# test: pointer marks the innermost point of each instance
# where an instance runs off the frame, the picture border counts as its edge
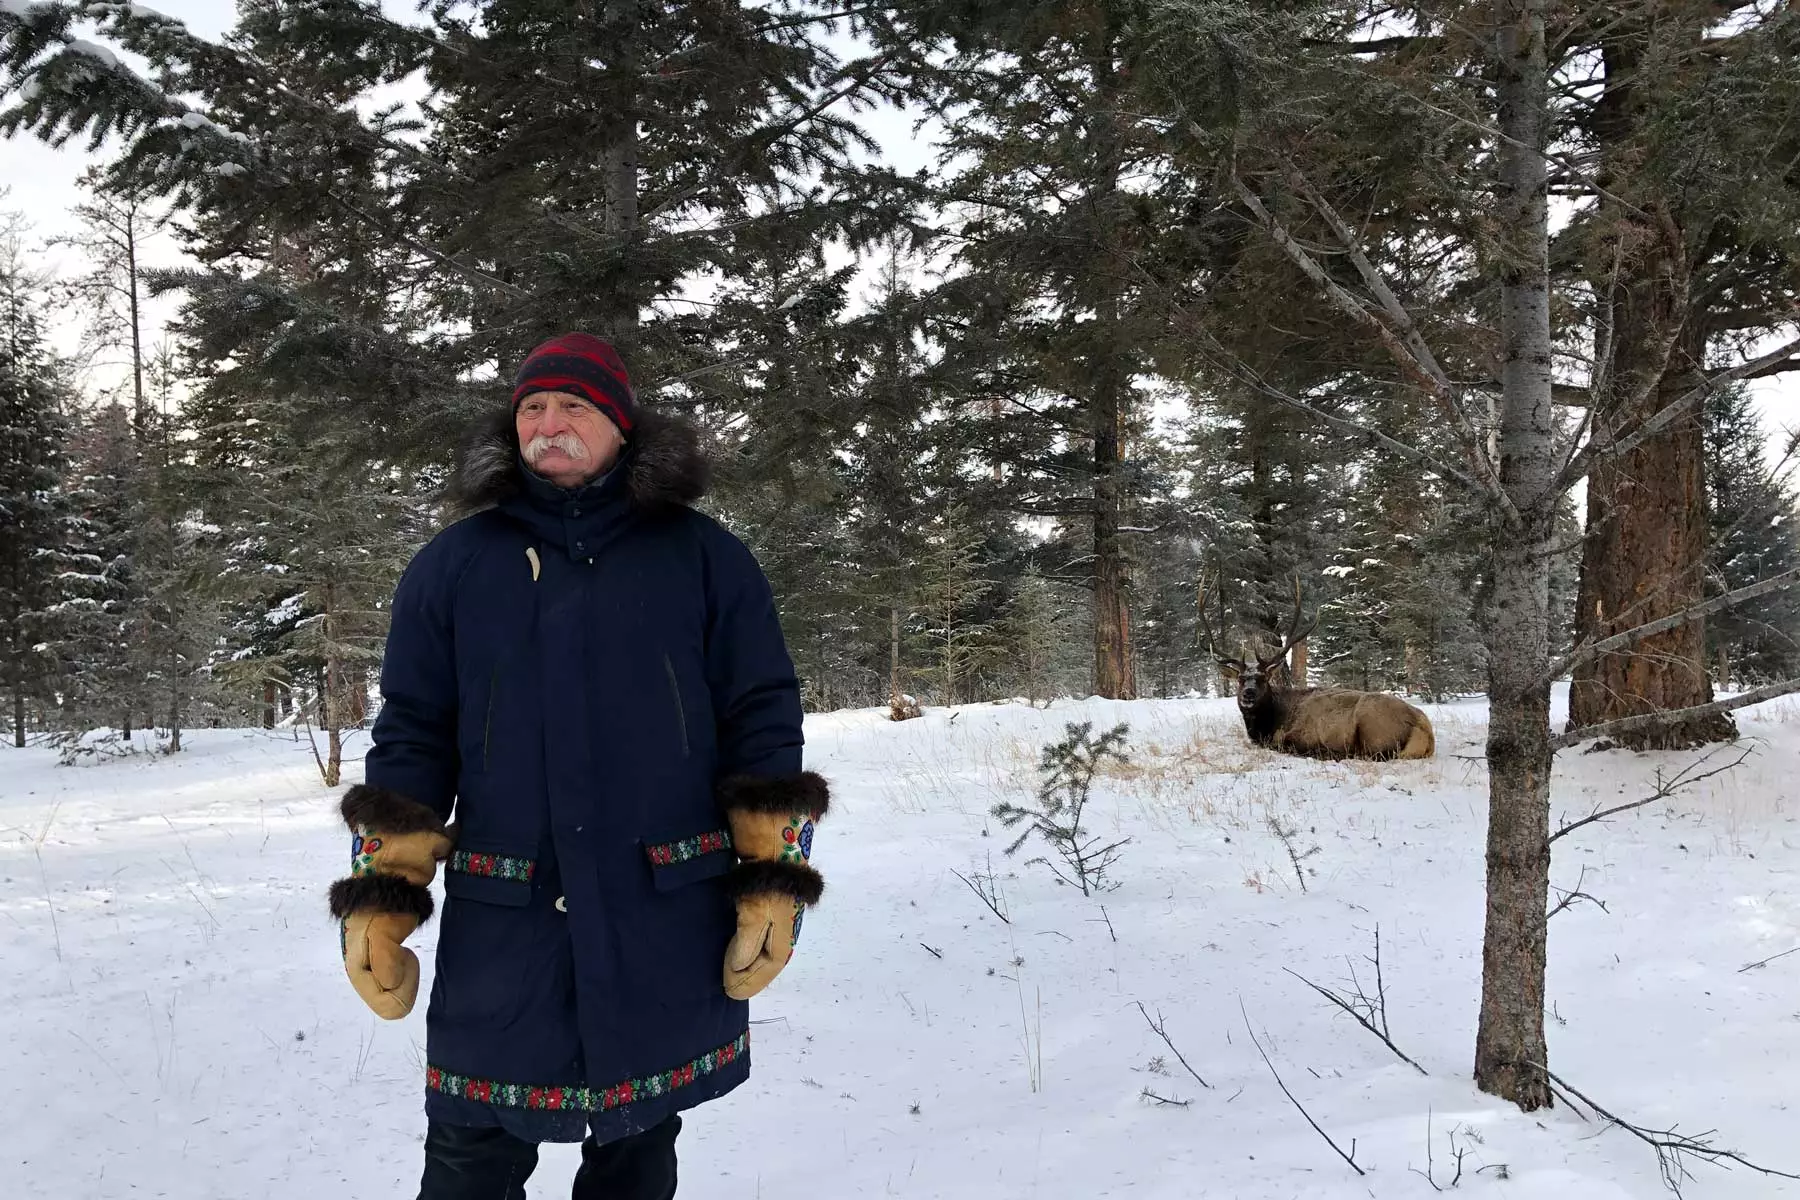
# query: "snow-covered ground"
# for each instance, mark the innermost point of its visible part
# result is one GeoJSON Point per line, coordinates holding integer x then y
{"type": "Point", "coordinates": [176, 1021]}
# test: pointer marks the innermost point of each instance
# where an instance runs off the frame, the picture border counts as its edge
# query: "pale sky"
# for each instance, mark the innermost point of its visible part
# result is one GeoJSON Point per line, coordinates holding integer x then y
{"type": "Point", "coordinates": [41, 183]}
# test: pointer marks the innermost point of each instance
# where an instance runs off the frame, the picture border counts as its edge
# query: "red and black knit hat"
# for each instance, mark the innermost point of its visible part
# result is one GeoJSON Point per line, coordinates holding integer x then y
{"type": "Point", "coordinates": [582, 365]}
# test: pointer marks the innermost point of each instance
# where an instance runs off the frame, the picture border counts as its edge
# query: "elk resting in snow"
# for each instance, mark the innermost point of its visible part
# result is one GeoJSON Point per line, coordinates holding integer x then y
{"type": "Point", "coordinates": [1319, 722]}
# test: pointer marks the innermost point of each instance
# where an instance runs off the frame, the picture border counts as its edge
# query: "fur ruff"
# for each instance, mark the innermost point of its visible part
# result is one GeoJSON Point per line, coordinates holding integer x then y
{"type": "Point", "coordinates": [779, 795]}
{"type": "Point", "coordinates": [667, 467]}
{"type": "Point", "coordinates": [380, 893]}
{"type": "Point", "coordinates": [379, 810]}
{"type": "Point", "coordinates": [756, 877]}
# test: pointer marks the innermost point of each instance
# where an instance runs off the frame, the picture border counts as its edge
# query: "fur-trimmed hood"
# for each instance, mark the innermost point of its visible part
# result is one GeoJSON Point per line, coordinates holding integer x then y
{"type": "Point", "coordinates": [665, 466]}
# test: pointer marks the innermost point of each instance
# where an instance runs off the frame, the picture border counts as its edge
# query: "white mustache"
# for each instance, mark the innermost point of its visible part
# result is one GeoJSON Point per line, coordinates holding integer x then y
{"type": "Point", "coordinates": [568, 443]}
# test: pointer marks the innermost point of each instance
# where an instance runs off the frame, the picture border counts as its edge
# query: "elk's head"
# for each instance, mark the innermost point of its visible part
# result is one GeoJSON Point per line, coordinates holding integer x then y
{"type": "Point", "coordinates": [1269, 674]}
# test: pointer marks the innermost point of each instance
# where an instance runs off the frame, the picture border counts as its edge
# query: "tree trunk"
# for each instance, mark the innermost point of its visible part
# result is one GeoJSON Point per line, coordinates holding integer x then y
{"type": "Point", "coordinates": [894, 692]}
{"type": "Point", "coordinates": [1114, 675]}
{"type": "Point", "coordinates": [1724, 669]}
{"type": "Point", "coordinates": [622, 22]}
{"type": "Point", "coordinates": [175, 716]}
{"type": "Point", "coordinates": [1297, 665]}
{"type": "Point", "coordinates": [1510, 1033]}
{"type": "Point", "coordinates": [19, 717]}
{"type": "Point", "coordinates": [268, 716]}
{"type": "Point", "coordinates": [139, 418]}
{"type": "Point", "coordinates": [1646, 528]}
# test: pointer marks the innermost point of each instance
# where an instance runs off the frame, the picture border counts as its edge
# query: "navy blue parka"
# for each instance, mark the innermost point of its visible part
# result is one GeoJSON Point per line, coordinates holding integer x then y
{"type": "Point", "coordinates": [569, 675]}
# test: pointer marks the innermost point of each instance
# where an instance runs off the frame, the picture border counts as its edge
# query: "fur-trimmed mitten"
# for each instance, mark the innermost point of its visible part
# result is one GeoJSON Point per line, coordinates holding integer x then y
{"type": "Point", "coordinates": [396, 848]}
{"type": "Point", "coordinates": [774, 882]}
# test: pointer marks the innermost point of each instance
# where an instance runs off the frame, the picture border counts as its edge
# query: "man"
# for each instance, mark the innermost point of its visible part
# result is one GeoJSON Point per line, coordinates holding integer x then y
{"type": "Point", "coordinates": [588, 676]}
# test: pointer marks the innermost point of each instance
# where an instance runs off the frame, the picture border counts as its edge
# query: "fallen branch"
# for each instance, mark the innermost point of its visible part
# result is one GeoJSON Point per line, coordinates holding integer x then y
{"type": "Point", "coordinates": [1665, 788]}
{"type": "Point", "coordinates": [1674, 716]}
{"type": "Point", "coordinates": [1371, 1014]}
{"type": "Point", "coordinates": [1157, 1027]}
{"type": "Point", "coordinates": [1673, 1150]}
{"type": "Point", "coordinates": [1350, 1157]}
{"type": "Point", "coordinates": [1765, 962]}
{"type": "Point", "coordinates": [1147, 1094]}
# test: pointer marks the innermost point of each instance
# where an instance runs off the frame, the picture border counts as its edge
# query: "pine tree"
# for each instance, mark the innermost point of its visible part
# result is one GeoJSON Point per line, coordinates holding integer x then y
{"type": "Point", "coordinates": [952, 626]}
{"type": "Point", "coordinates": [33, 518]}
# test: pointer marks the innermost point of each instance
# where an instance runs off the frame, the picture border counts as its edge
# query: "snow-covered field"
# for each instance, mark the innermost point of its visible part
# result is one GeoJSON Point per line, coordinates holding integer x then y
{"type": "Point", "coordinates": [176, 1021]}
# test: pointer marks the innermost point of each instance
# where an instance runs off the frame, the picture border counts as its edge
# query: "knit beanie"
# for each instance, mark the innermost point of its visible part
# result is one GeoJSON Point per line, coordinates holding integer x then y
{"type": "Point", "coordinates": [582, 365]}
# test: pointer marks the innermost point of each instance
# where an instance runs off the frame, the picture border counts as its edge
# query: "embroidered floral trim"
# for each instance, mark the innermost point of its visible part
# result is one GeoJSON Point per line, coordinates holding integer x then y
{"type": "Point", "coordinates": [492, 866]}
{"type": "Point", "coordinates": [797, 839]}
{"type": "Point", "coordinates": [666, 854]}
{"type": "Point", "coordinates": [586, 1099]}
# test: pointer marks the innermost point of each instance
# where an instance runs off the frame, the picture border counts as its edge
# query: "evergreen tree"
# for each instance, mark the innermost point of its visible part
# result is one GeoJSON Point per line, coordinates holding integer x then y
{"type": "Point", "coordinates": [33, 518]}
{"type": "Point", "coordinates": [101, 589]}
{"type": "Point", "coordinates": [1754, 532]}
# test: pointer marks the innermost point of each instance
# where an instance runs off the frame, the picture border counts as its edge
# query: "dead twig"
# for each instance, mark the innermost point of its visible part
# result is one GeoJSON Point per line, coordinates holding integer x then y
{"type": "Point", "coordinates": [990, 894]}
{"type": "Point", "coordinates": [1369, 1012]}
{"type": "Point", "coordinates": [1156, 1027]}
{"type": "Point", "coordinates": [1665, 788]}
{"type": "Point", "coordinates": [1430, 1171]}
{"type": "Point", "coordinates": [1147, 1094]}
{"type": "Point", "coordinates": [1350, 1157]}
{"type": "Point", "coordinates": [934, 953]}
{"type": "Point", "coordinates": [1109, 924]}
{"type": "Point", "coordinates": [1571, 895]}
{"type": "Point", "coordinates": [1673, 1150]}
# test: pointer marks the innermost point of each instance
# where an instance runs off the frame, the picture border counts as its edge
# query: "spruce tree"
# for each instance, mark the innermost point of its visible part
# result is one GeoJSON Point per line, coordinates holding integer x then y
{"type": "Point", "coordinates": [33, 515]}
{"type": "Point", "coordinates": [1754, 532]}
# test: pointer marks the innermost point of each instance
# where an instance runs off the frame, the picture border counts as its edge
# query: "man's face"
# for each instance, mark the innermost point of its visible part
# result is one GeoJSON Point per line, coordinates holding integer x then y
{"type": "Point", "coordinates": [565, 439]}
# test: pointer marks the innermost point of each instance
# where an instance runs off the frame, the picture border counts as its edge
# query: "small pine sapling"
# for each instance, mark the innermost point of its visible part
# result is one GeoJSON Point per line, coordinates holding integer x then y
{"type": "Point", "coordinates": [1068, 768]}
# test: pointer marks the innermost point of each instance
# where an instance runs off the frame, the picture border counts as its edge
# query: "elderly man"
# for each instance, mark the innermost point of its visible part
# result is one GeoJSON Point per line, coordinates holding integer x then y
{"type": "Point", "coordinates": [591, 721]}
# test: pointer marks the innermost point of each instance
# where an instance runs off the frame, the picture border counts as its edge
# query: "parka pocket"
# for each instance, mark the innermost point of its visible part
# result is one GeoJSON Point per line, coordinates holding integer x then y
{"type": "Point", "coordinates": [681, 724]}
{"type": "Point", "coordinates": [678, 947]}
{"type": "Point", "coordinates": [498, 957]}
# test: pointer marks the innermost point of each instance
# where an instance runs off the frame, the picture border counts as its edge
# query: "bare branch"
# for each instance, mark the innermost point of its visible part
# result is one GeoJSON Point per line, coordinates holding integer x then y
{"type": "Point", "coordinates": [1147, 1094]}
{"type": "Point", "coordinates": [990, 895]}
{"type": "Point", "coordinates": [1596, 452]}
{"type": "Point", "coordinates": [1157, 1027]}
{"type": "Point", "coordinates": [1573, 895]}
{"type": "Point", "coordinates": [1673, 1150]}
{"type": "Point", "coordinates": [1674, 716]}
{"type": "Point", "coordinates": [1424, 373]}
{"type": "Point", "coordinates": [1665, 788]}
{"type": "Point", "coordinates": [1587, 652]}
{"type": "Point", "coordinates": [1350, 1157]}
{"type": "Point", "coordinates": [1370, 1013]}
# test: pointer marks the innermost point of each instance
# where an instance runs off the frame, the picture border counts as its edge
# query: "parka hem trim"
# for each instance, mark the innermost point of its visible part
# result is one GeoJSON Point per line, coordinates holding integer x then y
{"type": "Point", "coordinates": [580, 1098]}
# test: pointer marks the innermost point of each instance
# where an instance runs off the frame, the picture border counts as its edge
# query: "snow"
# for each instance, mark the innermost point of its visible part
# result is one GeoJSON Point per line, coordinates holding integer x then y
{"type": "Point", "coordinates": [175, 1007]}
{"type": "Point", "coordinates": [24, 10]}
{"type": "Point", "coordinates": [94, 50]}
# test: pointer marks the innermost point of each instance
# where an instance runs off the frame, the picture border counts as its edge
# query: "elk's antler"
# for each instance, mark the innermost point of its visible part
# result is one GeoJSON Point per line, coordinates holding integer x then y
{"type": "Point", "coordinates": [1295, 634]}
{"type": "Point", "coordinates": [1211, 642]}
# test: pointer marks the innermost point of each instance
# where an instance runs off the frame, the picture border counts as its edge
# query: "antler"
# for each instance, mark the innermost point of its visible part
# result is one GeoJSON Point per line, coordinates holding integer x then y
{"type": "Point", "coordinates": [1211, 642]}
{"type": "Point", "coordinates": [1295, 634]}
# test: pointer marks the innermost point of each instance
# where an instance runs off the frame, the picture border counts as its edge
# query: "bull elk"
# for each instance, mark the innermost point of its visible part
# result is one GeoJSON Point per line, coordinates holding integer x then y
{"type": "Point", "coordinates": [1329, 723]}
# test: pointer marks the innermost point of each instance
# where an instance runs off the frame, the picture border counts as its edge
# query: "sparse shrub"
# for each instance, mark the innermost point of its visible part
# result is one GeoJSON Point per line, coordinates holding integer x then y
{"type": "Point", "coordinates": [1068, 769]}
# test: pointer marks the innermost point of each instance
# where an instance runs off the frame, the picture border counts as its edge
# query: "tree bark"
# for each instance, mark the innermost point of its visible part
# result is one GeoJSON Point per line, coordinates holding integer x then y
{"type": "Point", "coordinates": [1114, 674]}
{"type": "Point", "coordinates": [1510, 1033]}
{"type": "Point", "coordinates": [1297, 665]}
{"type": "Point", "coordinates": [1646, 527]}
{"type": "Point", "coordinates": [140, 419]}
{"type": "Point", "coordinates": [19, 717]}
{"type": "Point", "coordinates": [268, 717]}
